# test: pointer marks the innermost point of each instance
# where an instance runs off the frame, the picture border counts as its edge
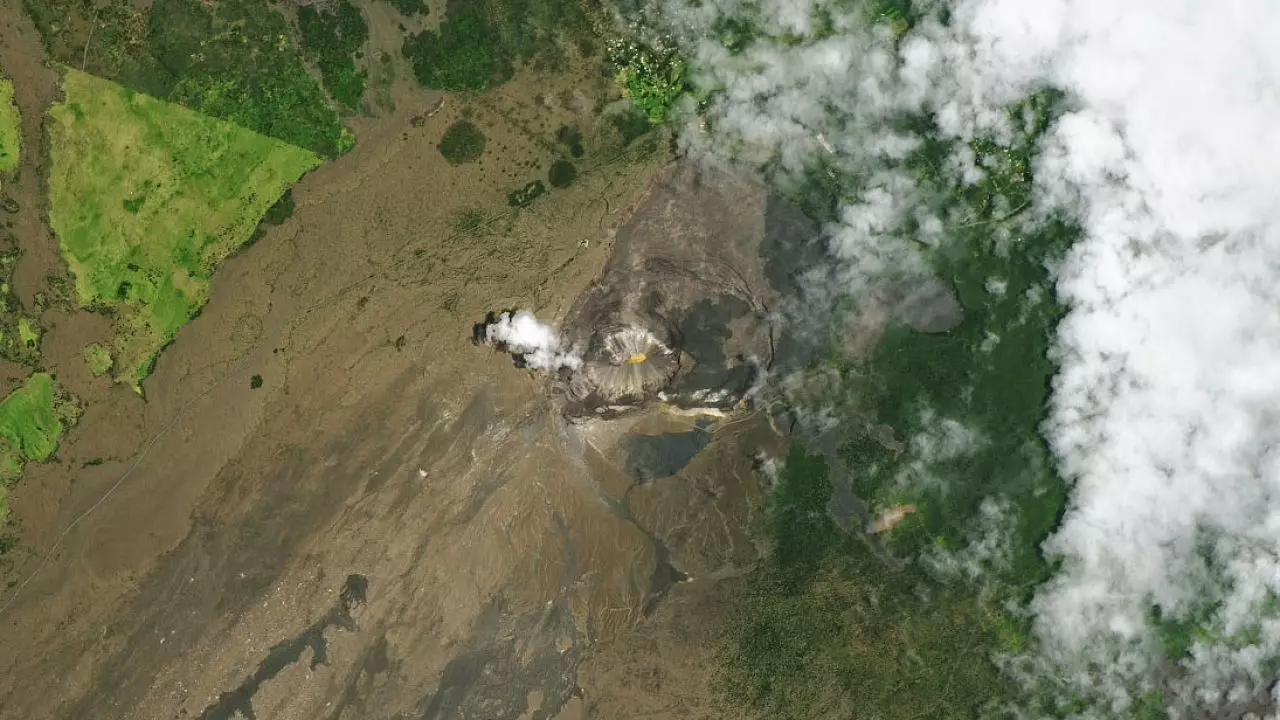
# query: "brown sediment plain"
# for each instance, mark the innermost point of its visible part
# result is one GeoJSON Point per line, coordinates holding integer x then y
{"type": "Point", "coordinates": [397, 523]}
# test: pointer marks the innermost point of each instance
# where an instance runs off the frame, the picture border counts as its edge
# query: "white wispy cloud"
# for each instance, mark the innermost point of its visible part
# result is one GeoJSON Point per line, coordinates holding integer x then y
{"type": "Point", "coordinates": [987, 547]}
{"type": "Point", "coordinates": [1165, 415]}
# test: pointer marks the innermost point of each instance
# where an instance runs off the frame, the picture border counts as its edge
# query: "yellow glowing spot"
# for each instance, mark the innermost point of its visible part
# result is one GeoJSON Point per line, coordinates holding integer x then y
{"type": "Point", "coordinates": [637, 359]}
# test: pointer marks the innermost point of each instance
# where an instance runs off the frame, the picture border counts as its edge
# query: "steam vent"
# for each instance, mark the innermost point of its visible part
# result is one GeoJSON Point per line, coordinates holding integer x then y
{"type": "Point", "coordinates": [634, 364]}
{"type": "Point", "coordinates": [681, 314]}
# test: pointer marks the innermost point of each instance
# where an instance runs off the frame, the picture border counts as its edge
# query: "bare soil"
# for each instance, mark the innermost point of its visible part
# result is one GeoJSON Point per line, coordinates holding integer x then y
{"type": "Point", "coordinates": [397, 523]}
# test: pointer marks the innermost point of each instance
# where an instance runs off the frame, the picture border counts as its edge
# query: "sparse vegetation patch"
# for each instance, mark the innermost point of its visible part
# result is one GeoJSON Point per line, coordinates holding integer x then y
{"type": "Point", "coordinates": [10, 129]}
{"type": "Point", "coordinates": [562, 174]}
{"type": "Point", "coordinates": [571, 138]}
{"type": "Point", "coordinates": [462, 143]}
{"type": "Point", "coordinates": [631, 125]}
{"type": "Point", "coordinates": [525, 196]}
{"type": "Point", "coordinates": [382, 76]}
{"type": "Point", "coordinates": [409, 8]}
{"type": "Point", "coordinates": [98, 359]}
{"type": "Point", "coordinates": [19, 333]}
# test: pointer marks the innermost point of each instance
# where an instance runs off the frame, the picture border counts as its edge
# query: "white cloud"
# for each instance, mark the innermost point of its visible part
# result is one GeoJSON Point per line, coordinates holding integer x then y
{"type": "Point", "coordinates": [537, 343]}
{"type": "Point", "coordinates": [988, 544]}
{"type": "Point", "coordinates": [942, 438]}
{"type": "Point", "coordinates": [1166, 413]}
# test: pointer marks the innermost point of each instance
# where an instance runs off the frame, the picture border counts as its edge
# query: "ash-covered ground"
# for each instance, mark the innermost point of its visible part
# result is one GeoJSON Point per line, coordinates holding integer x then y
{"type": "Point", "coordinates": [703, 303]}
{"type": "Point", "coordinates": [685, 314]}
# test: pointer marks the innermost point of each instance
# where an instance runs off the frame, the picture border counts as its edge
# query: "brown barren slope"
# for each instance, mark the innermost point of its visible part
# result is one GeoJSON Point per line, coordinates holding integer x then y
{"type": "Point", "coordinates": [396, 524]}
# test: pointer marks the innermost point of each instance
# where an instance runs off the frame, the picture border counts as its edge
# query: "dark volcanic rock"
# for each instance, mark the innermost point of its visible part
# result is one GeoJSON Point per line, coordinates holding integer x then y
{"type": "Point", "coordinates": [688, 270]}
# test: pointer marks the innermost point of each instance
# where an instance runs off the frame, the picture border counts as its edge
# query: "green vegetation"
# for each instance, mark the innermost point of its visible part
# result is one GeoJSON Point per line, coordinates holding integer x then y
{"type": "Point", "coordinates": [631, 125]}
{"type": "Point", "coordinates": [276, 215]}
{"type": "Point", "coordinates": [232, 59]}
{"type": "Point", "coordinates": [571, 137]}
{"type": "Point", "coordinates": [29, 422]}
{"type": "Point", "coordinates": [32, 420]}
{"type": "Point", "coordinates": [281, 210]}
{"type": "Point", "coordinates": [991, 374]}
{"type": "Point", "coordinates": [466, 53]}
{"type": "Point", "coordinates": [653, 77]}
{"type": "Point", "coordinates": [382, 76]}
{"type": "Point", "coordinates": [828, 630]}
{"type": "Point", "coordinates": [831, 628]}
{"type": "Point", "coordinates": [10, 129]}
{"type": "Point", "coordinates": [470, 221]}
{"type": "Point", "coordinates": [480, 43]}
{"type": "Point", "coordinates": [525, 196]}
{"type": "Point", "coordinates": [409, 8]}
{"type": "Point", "coordinates": [28, 334]}
{"type": "Point", "coordinates": [331, 38]}
{"type": "Point", "coordinates": [98, 359]}
{"type": "Point", "coordinates": [19, 334]}
{"type": "Point", "coordinates": [255, 382]}
{"type": "Point", "coordinates": [203, 185]}
{"type": "Point", "coordinates": [462, 143]}
{"type": "Point", "coordinates": [562, 174]}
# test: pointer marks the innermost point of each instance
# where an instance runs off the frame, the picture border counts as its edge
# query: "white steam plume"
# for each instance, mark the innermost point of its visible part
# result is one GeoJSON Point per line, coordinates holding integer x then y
{"type": "Point", "coordinates": [535, 342]}
{"type": "Point", "coordinates": [1166, 414]}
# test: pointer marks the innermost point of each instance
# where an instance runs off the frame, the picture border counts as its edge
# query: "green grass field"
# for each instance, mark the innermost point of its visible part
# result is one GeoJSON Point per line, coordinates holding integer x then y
{"type": "Point", "coordinates": [10, 129]}
{"type": "Point", "coordinates": [147, 198]}
{"type": "Point", "coordinates": [30, 426]}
